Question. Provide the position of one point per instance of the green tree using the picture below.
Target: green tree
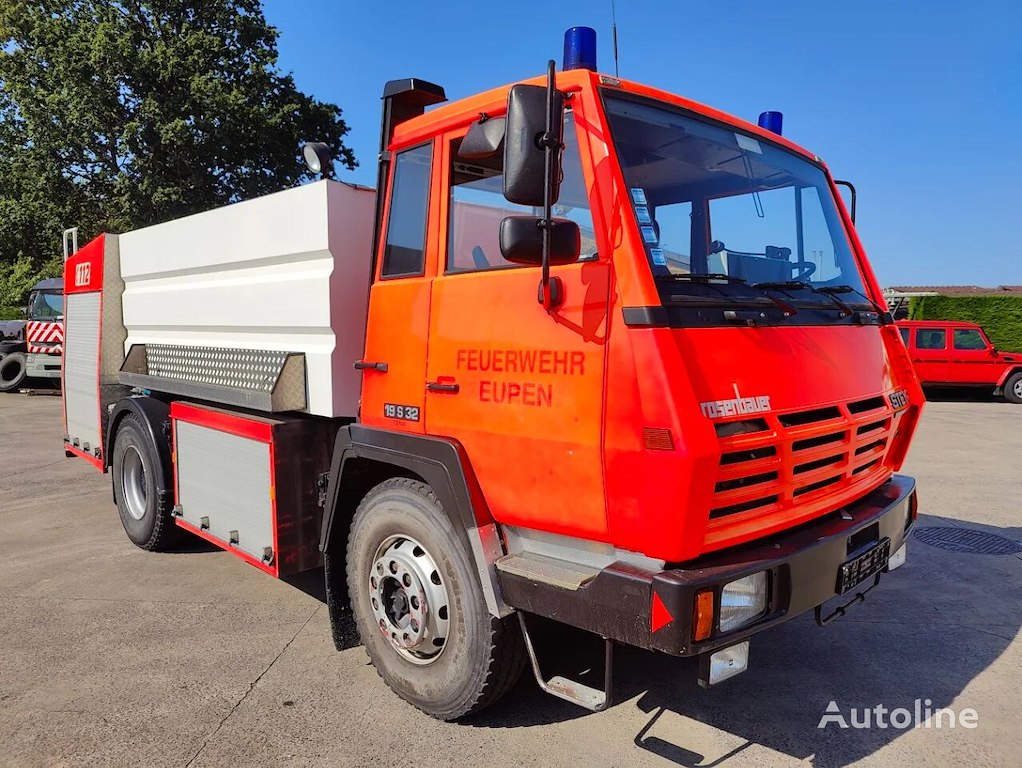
(117, 114)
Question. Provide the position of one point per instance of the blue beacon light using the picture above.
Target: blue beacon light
(771, 121)
(580, 48)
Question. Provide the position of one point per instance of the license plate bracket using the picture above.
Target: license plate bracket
(871, 562)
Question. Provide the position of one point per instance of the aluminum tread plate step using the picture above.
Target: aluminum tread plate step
(264, 380)
(548, 570)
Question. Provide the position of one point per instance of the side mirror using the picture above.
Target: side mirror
(526, 140)
(521, 241)
(23, 311)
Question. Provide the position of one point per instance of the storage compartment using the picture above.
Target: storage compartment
(93, 346)
(249, 483)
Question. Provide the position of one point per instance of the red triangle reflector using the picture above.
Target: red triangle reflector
(660, 615)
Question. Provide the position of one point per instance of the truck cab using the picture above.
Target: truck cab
(44, 329)
(721, 367)
(951, 353)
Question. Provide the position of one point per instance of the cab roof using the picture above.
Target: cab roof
(939, 323)
(462, 112)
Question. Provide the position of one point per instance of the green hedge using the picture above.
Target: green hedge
(1000, 316)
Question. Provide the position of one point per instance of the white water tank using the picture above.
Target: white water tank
(288, 272)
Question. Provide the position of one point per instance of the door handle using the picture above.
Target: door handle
(362, 365)
(436, 386)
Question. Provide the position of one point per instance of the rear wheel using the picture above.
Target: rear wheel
(1013, 388)
(12, 371)
(143, 500)
(419, 607)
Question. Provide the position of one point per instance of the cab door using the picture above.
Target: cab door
(930, 355)
(973, 358)
(397, 335)
(519, 387)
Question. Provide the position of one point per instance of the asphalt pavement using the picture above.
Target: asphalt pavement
(114, 656)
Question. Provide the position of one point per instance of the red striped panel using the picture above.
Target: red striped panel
(39, 334)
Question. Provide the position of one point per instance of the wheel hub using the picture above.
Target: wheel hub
(409, 599)
(133, 484)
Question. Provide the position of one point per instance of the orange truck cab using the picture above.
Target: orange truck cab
(625, 366)
(720, 398)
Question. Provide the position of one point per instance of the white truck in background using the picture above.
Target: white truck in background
(32, 348)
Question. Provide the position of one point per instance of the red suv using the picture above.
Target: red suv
(956, 354)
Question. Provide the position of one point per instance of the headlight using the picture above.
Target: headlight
(742, 601)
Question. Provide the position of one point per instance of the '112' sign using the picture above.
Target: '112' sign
(83, 274)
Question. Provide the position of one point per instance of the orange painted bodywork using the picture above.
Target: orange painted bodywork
(552, 406)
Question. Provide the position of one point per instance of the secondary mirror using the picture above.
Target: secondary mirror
(484, 139)
(521, 241)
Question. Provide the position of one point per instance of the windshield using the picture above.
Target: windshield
(709, 200)
(46, 306)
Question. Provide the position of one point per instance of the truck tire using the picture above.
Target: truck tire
(1013, 388)
(140, 489)
(12, 371)
(419, 606)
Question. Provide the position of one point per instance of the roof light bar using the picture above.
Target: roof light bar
(771, 121)
(580, 48)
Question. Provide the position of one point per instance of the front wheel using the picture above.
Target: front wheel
(419, 607)
(1013, 388)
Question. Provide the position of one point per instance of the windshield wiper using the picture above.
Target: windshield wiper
(834, 289)
(708, 279)
(782, 286)
(712, 277)
(843, 309)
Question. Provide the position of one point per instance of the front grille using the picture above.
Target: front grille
(798, 418)
(787, 465)
(870, 404)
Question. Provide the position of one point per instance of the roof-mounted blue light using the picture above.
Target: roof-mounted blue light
(771, 121)
(580, 48)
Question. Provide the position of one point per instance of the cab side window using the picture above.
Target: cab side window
(968, 338)
(404, 248)
(931, 338)
(477, 206)
(904, 335)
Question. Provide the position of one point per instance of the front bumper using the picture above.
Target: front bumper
(42, 366)
(655, 610)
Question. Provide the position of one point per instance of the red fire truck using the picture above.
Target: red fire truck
(595, 353)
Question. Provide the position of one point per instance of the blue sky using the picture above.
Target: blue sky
(918, 103)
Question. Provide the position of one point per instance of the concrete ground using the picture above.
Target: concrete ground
(113, 656)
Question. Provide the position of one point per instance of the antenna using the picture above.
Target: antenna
(613, 17)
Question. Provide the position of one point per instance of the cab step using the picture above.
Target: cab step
(574, 691)
(547, 570)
